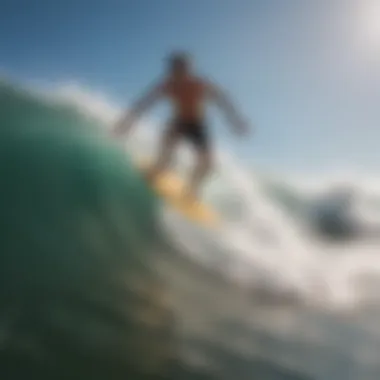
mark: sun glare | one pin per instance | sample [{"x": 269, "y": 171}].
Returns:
[{"x": 369, "y": 24}]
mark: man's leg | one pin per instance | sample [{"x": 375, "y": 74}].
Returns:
[
  {"x": 165, "y": 153},
  {"x": 201, "y": 169}
]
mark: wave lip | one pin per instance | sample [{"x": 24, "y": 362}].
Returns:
[{"x": 272, "y": 234}]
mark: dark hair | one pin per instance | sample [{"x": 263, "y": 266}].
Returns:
[{"x": 178, "y": 58}]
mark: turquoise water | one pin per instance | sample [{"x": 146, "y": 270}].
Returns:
[
  {"x": 78, "y": 231},
  {"x": 92, "y": 288}
]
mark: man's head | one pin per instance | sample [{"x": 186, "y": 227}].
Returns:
[{"x": 179, "y": 63}]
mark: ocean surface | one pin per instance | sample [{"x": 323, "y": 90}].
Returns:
[{"x": 286, "y": 288}]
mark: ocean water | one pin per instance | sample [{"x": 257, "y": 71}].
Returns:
[{"x": 286, "y": 288}]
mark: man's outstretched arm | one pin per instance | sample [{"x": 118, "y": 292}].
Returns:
[
  {"x": 224, "y": 102},
  {"x": 124, "y": 125}
]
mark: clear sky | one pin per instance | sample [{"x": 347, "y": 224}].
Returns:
[{"x": 306, "y": 73}]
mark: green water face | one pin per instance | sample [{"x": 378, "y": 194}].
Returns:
[{"x": 77, "y": 232}]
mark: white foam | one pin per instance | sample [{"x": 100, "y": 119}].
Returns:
[
  {"x": 261, "y": 233},
  {"x": 90, "y": 102}
]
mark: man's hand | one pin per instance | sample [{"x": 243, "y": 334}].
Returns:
[
  {"x": 125, "y": 124},
  {"x": 117, "y": 130},
  {"x": 241, "y": 127},
  {"x": 122, "y": 127}
]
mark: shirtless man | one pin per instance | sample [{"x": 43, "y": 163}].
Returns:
[{"x": 188, "y": 94}]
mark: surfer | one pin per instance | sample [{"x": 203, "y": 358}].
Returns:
[{"x": 188, "y": 94}]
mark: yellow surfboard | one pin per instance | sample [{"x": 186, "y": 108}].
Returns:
[{"x": 171, "y": 188}]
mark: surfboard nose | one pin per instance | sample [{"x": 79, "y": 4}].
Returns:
[{"x": 171, "y": 188}]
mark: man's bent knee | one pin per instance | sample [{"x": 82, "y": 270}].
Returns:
[{"x": 205, "y": 161}]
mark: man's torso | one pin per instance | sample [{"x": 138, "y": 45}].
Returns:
[{"x": 187, "y": 97}]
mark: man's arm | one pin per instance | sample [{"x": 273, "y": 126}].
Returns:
[
  {"x": 223, "y": 102},
  {"x": 145, "y": 102}
]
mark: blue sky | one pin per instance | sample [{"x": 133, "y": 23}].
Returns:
[{"x": 304, "y": 72}]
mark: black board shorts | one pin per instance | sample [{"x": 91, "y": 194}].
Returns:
[{"x": 193, "y": 131}]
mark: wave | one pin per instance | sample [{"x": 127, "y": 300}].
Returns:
[
  {"x": 93, "y": 200},
  {"x": 77, "y": 223},
  {"x": 275, "y": 224}
]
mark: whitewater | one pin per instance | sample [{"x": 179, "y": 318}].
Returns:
[
  {"x": 265, "y": 242},
  {"x": 271, "y": 282}
]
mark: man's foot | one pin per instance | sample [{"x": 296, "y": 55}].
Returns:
[
  {"x": 150, "y": 175},
  {"x": 147, "y": 177},
  {"x": 189, "y": 196}
]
